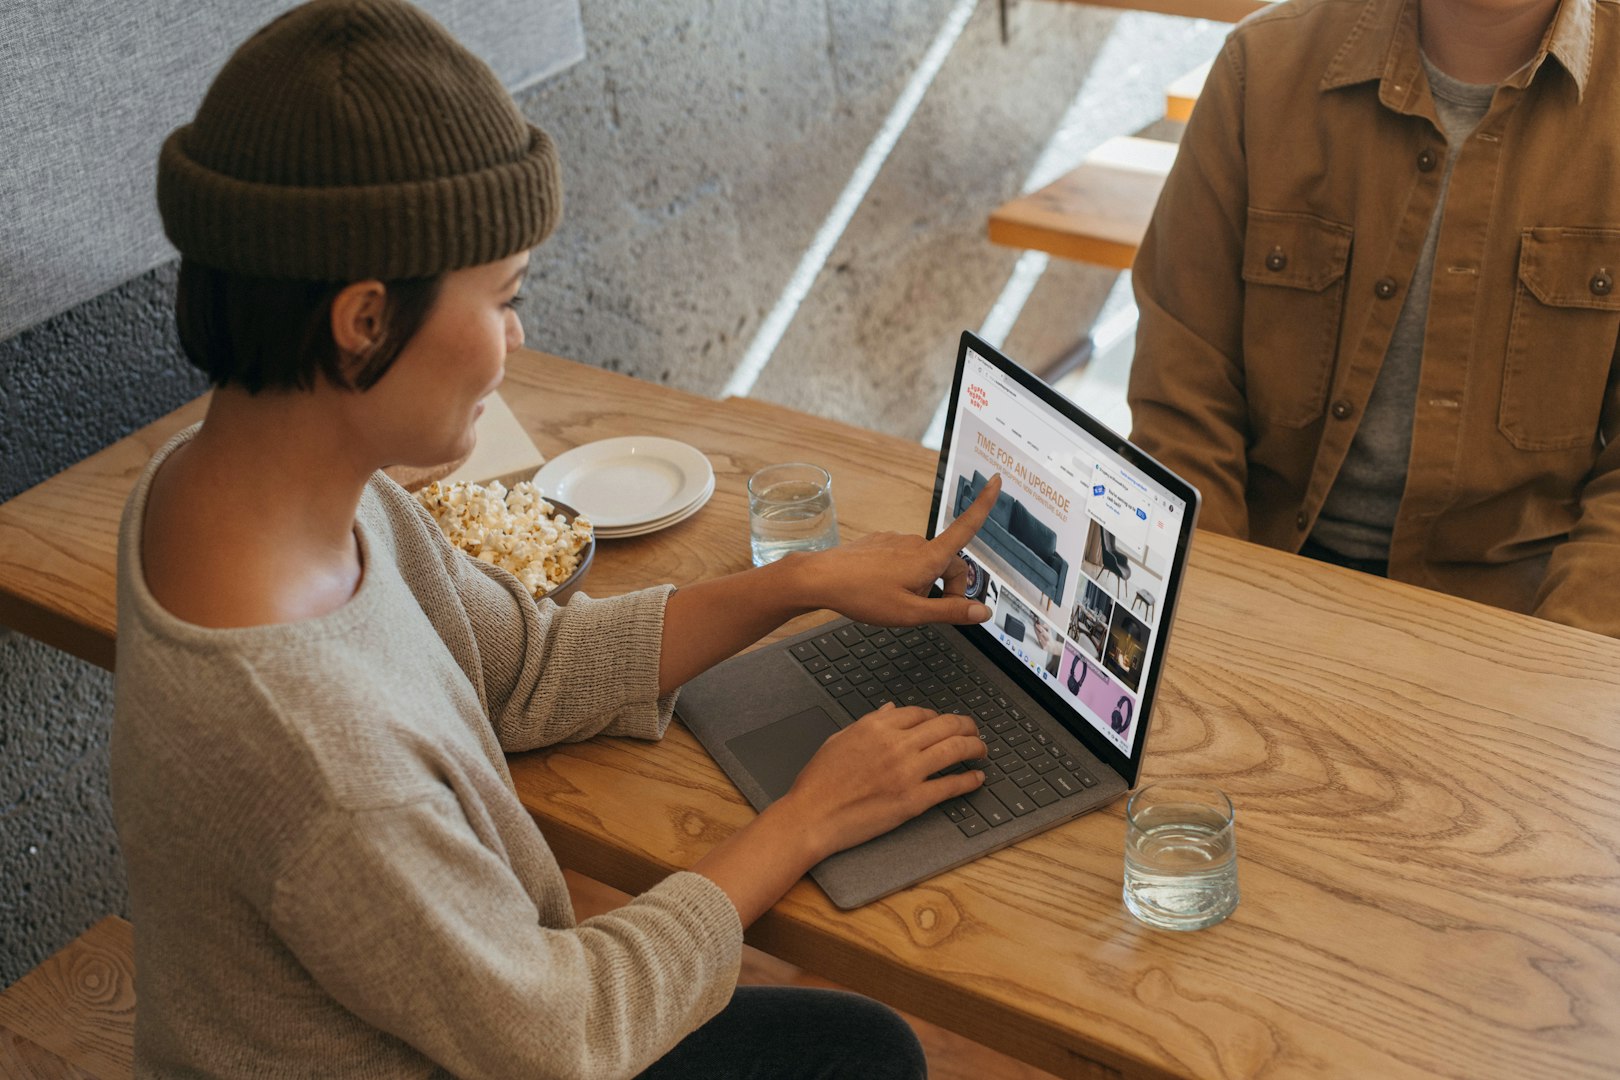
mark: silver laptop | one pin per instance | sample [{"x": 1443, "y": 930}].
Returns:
[{"x": 1080, "y": 563}]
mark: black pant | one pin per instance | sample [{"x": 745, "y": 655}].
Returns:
[
  {"x": 1321, "y": 553},
  {"x": 791, "y": 1033}
]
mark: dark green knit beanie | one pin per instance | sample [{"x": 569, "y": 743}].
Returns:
[{"x": 354, "y": 139}]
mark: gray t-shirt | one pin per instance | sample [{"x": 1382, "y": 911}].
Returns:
[{"x": 1358, "y": 517}]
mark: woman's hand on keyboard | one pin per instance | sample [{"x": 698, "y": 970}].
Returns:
[
  {"x": 881, "y": 772},
  {"x": 875, "y": 774}
]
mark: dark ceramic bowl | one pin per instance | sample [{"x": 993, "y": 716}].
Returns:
[{"x": 562, "y": 592}]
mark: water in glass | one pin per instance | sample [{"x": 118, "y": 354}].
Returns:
[
  {"x": 1180, "y": 866},
  {"x": 789, "y": 516}
]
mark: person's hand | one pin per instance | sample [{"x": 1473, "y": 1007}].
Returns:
[
  {"x": 874, "y": 775},
  {"x": 884, "y": 578}
]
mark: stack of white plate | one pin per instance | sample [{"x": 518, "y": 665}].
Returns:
[{"x": 630, "y": 486}]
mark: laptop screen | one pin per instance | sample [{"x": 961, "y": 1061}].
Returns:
[{"x": 1079, "y": 561}]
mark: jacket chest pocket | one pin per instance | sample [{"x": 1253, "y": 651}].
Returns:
[
  {"x": 1293, "y": 301},
  {"x": 1561, "y": 344}
]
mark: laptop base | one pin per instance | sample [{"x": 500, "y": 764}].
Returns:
[{"x": 757, "y": 715}]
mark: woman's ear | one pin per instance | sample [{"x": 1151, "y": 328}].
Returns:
[{"x": 357, "y": 318}]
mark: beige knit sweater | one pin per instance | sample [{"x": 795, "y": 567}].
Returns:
[{"x": 330, "y": 872}]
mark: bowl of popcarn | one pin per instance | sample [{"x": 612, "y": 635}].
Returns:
[{"x": 545, "y": 544}]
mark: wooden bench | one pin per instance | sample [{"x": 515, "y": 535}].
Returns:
[
  {"x": 73, "y": 1017},
  {"x": 1181, "y": 95},
  {"x": 1097, "y": 213},
  {"x": 1214, "y": 10}
]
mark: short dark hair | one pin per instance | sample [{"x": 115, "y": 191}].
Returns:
[{"x": 269, "y": 333}]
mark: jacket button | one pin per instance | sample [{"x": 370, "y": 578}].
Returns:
[
  {"x": 1386, "y": 288},
  {"x": 1602, "y": 283},
  {"x": 1277, "y": 260},
  {"x": 1342, "y": 410},
  {"x": 1426, "y": 161},
  {"x": 1300, "y": 520}
]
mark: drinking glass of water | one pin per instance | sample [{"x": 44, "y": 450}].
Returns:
[
  {"x": 790, "y": 508},
  {"x": 1180, "y": 855}
]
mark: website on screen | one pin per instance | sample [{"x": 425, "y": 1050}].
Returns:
[{"x": 1073, "y": 558}]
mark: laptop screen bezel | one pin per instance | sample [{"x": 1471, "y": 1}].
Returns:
[{"x": 1127, "y": 766}]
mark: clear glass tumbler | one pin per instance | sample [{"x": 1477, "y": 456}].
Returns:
[
  {"x": 1180, "y": 855},
  {"x": 790, "y": 508}
]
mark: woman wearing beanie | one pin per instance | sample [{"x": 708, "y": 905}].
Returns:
[{"x": 331, "y": 874}]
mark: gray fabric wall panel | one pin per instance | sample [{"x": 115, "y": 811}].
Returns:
[{"x": 89, "y": 89}]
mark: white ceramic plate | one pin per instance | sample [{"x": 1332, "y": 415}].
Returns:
[
  {"x": 662, "y": 523},
  {"x": 643, "y": 528},
  {"x": 627, "y": 482}
]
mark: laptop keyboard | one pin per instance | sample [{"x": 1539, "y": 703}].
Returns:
[{"x": 862, "y": 667}]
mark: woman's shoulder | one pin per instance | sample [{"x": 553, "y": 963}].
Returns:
[{"x": 206, "y": 560}]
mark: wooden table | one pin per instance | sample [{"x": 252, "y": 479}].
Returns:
[
  {"x": 1216, "y": 10},
  {"x": 1427, "y": 791},
  {"x": 73, "y": 1016}
]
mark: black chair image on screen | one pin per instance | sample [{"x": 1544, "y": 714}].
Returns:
[
  {"x": 1115, "y": 563},
  {"x": 1020, "y": 538}
]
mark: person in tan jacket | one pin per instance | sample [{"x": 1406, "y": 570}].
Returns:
[{"x": 1379, "y": 320}]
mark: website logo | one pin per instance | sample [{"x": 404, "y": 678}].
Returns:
[{"x": 978, "y": 397}]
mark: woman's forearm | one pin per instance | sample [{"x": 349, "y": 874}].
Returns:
[
  {"x": 760, "y": 862},
  {"x": 712, "y": 620}
]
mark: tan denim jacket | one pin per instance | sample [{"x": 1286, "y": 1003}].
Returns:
[{"x": 1278, "y": 258}]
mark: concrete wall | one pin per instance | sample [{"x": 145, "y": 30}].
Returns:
[
  {"x": 703, "y": 145},
  {"x": 75, "y": 208}
]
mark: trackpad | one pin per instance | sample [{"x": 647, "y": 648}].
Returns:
[{"x": 774, "y": 754}]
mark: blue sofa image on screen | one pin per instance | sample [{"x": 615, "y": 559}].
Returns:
[{"x": 1019, "y": 538}]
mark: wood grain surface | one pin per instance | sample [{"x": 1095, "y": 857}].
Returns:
[
  {"x": 1428, "y": 799},
  {"x": 23, "y": 1059},
  {"x": 1181, "y": 95},
  {"x": 1098, "y": 212},
  {"x": 74, "y": 1015},
  {"x": 1215, "y": 10},
  {"x": 59, "y": 544},
  {"x": 1427, "y": 793}
]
